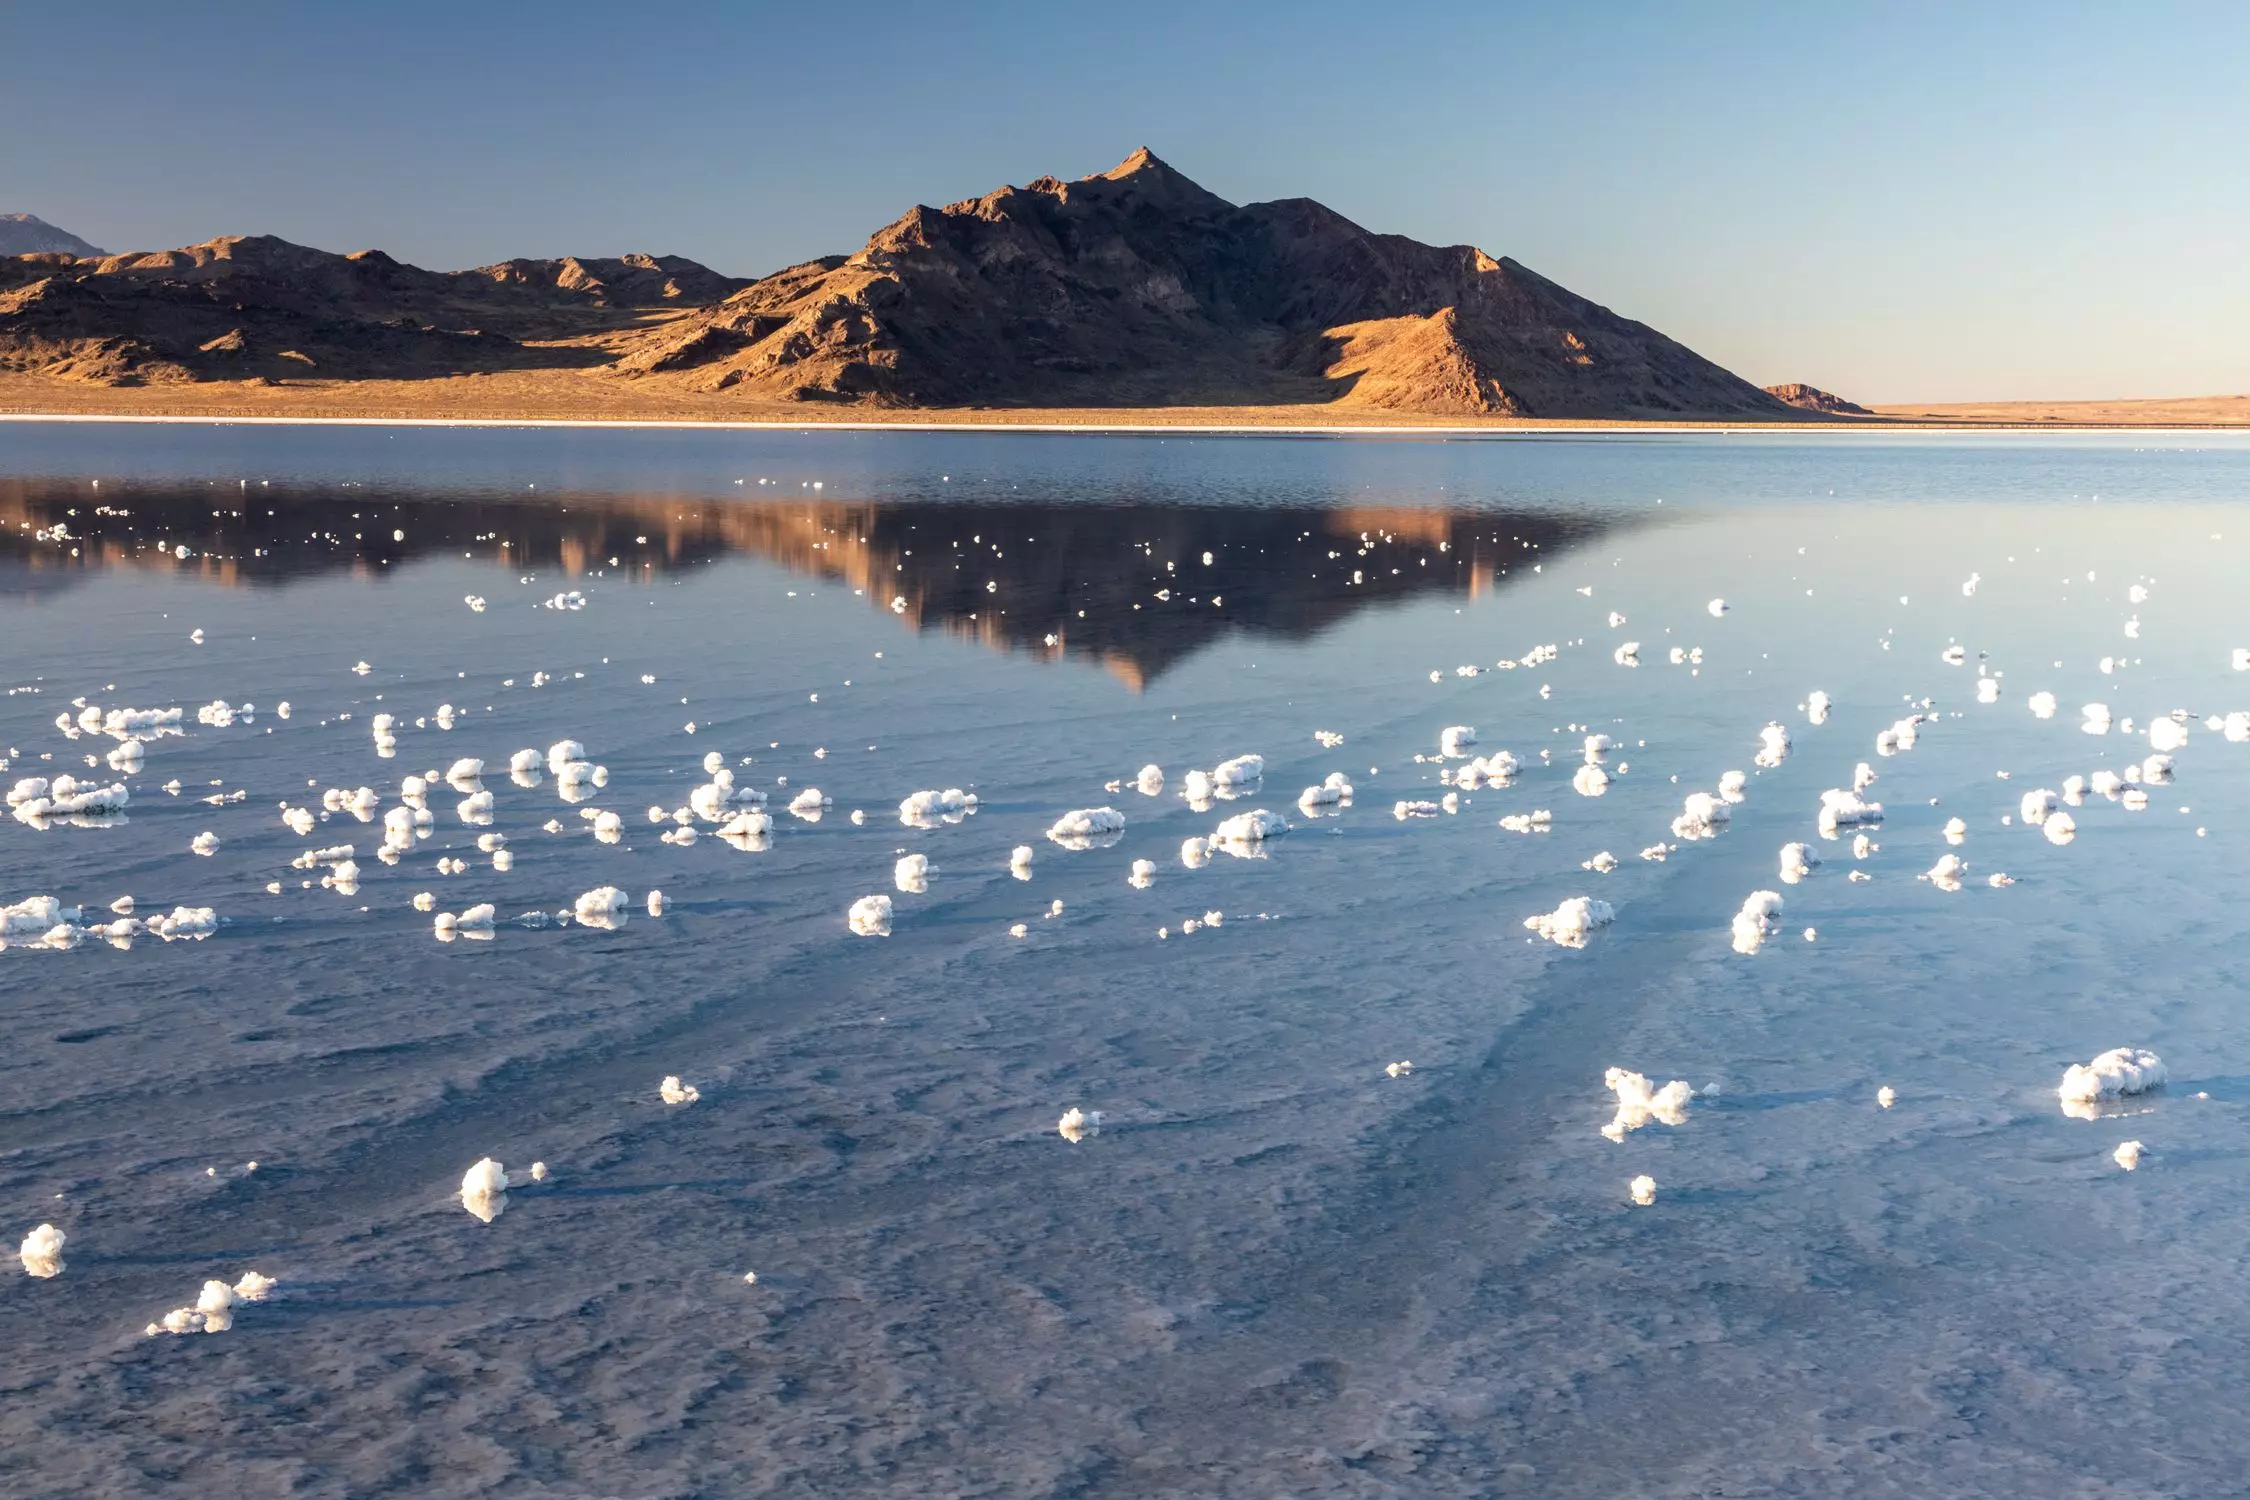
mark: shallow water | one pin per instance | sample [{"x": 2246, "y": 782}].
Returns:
[{"x": 1275, "y": 1269}]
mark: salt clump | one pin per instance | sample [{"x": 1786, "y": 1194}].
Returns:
[
  {"x": 808, "y": 804},
  {"x": 936, "y": 809},
  {"x": 1195, "y": 853},
  {"x": 2061, "y": 828},
  {"x": 42, "y": 1252},
  {"x": 1643, "y": 1190},
  {"x": 1639, "y": 1102},
  {"x": 1759, "y": 919},
  {"x": 2116, "y": 1073},
  {"x": 1143, "y": 874},
  {"x": 2042, "y": 705},
  {"x": 1842, "y": 809},
  {"x": 1150, "y": 781},
  {"x": 1335, "y": 791},
  {"x": 912, "y": 874},
  {"x": 1797, "y": 862},
  {"x": 602, "y": 907},
  {"x": 1886, "y": 1096},
  {"x": 1816, "y": 706},
  {"x": 672, "y": 1091},
  {"x": 1454, "y": 740},
  {"x": 1088, "y": 827},
  {"x": 484, "y": 1189},
  {"x": 1248, "y": 829},
  {"x": 1702, "y": 817},
  {"x": 1947, "y": 872},
  {"x": 1019, "y": 861},
  {"x": 1572, "y": 923},
  {"x": 2128, "y": 1155},
  {"x": 870, "y": 916},
  {"x": 1077, "y": 1124},
  {"x": 1773, "y": 745}
]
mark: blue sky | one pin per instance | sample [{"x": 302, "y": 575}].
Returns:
[{"x": 1899, "y": 203}]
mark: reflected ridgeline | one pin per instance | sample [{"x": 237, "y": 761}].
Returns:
[{"x": 1136, "y": 588}]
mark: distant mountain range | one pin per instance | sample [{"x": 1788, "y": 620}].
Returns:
[
  {"x": 1132, "y": 288},
  {"x": 28, "y": 234}
]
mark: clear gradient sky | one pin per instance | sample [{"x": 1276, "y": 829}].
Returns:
[{"x": 1898, "y": 203}]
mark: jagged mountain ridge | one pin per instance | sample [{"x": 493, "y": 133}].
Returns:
[
  {"x": 1138, "y": 287},
  {"x": 28, "y": 234}
]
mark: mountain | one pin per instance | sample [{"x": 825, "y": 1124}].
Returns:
[
  {"x": 1813, "y": 398},
  {"x": 244, "y": 307},
  {"x": 28, "y": 234},
  {"x": 1138, "y": 287}
]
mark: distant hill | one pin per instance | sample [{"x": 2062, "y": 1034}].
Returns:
[
  {"x": 28, "y": 234},
  {"x": 257, "y": 307},
  {"x": 1138, "y": 288},
  {"x": 1813, "y": 398}
]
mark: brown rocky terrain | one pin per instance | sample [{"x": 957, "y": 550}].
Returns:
[
  {"x": 1813, "y": 398},
  {"x": 1138, "y": 288},
  {"x": 257, "y": 308}
]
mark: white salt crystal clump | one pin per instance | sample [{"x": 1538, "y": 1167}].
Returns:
[
  {"x": 2113, "y": 1075},
  {"x": 809, "y": 804},
  {"x": 1539, "y": 821},
  {"x": 1596, "y": 746},
  {"x": 2096, "y": 717},
  {"x": 1399, "y": 1069},
  {"x": 1589, "y": 781},
  {"x": 2061, "y": 828},
  {"x": 1639, "y": 1102},
  {"x": 912, "y": 874},
  {"x": 1143, "y": 874},
  {"x": 935, "y": 809},
  {"x": 1195, "y": 853},
  {"x": 1328, "y": 738},
  {"x": 672, "y": 1091},
  {"x": 2240, "y": 659},
  {"x": 1573, "y": 922},
  {"x": 1798, "y": 861},
  {"x": 1988, "y": 690},
  {"x": 467, "y": 769},
  {"x": 2128, "y": 1155},
  {"x": 1414, "y": 809},
  {"x": 1817, "y": 704},
  {"x": 564, "y": 753},
  {"x": 1643, "y": 1190},
  {"x": 2167, "y": 733},
  {"x": 1947, "y": 872},
  {"x": 185, "y": 922},
  {"x": 1702, "y": 816},
  {"x": 1335, "y": 791},
  {"x": 1601, "y": 864},
  {"x": 1077, "y": 1124},
  {"x": 1150, "y": 781},
  {"x": 484, "y": 1189},
  {"x": 1248, "y": 828},
  {"x": 602, "y": 907},
  {"x": 1019, "y": 861},
  {"x": 476, "y": 810},
  {"x": 1492, "y": 770},
  {"x": 1886, "y": 1096},
  {"x": 2036, "y": 804},
  {"x": 1955, "y": 830},
  {"x": 83, "y": 802},
  {"x": 1088, "y": 827},
  {"x": 870, "y": 916},
  {"x": 2157, "y": 770},
  {"x": 42, "y": 1252},
  {"x": 253, "y": 1287},
  {"x": 205, "y": 843},
  {"x": 1773, "y": 745},
  {"x": 1242, "y": 772},
  {"x": 1455, "y": 739},
  {"x": 1759, "y": 919},
  {"x": 1733, "y": 786},
  {"x": 2042, "y": 705},
  {"x": 1627, "y": 655},
  {"x": 1843, "y": 809},
  {"x": 717, "y": 800},
  {"x": 1717, "y": 607}
]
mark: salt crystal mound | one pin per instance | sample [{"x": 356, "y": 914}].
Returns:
[
  {"x": 1572, "y": 923},
  {"x": 603, "y": 907},
  {"x": 564, "y": 753},
  {"x": 2060, "y": 828},
  {"x": 42, "y": 1252},
  {"x": 1495, "y": 769},
  {"x": 1947, "y": 873},
  {"x": 1845, "y": 809},
  {"x": 719, "y": 799},
  {"x": 476, "y": 810},
  {"x": 870, "y": 916},
  {"x": 465, "y": 772},
  {"x": 936, "y": 809},
  {"x": 2157, "y": 770},
  {"x": 1639, "y": 1103},
  {"x": 1900, "y": 737},
  {"x": 672, "y": 1091},
  {"x": 1019, "y": 861},
  {"x": 1088, "y": 828},
  {"x": 1988, "y": 690},
  {"x": 1414, "y": 809},
  {"x": 1596, "y": 746},
  {"x": 1716, "y": 607},
  {"x": 1734, "y": 786},
  {"x": 134, "y": 723},
  {"x": 35, "y": 801},
  {"x": 1453, "y": 741},
  {"x": 1773, "y": 746},
  {"x": 747, "y": 831},
  {"x": 1142, "y": 875},
  {"x": 1195, "y": 853},
  {"x": 1627, "y": 655},
  {"x": 1798, "y": 861},
  {"x": 809, "y": 804},
  {"x": 1539, "y": 821},
  {"x": 2036, "y": 805},
  {"x": 912, "y": 874},
  {"x": 2167, "y": 733},
  {"x": 1150, "y": 781},
  {"x": 1759, "y": 919},
  {"x": 2116, "y": 1074},
  {"x": 1244, "y": 835},
  {"x": 1334, "y": 791},
  {"x": 1817, "y": 705},
  {"x": 1077, "y": 1124},
  {"x": 1589, "y": 781},
  {"x": 1701, "y": 817},
  {"x": 484, "y": 1189},
  {"x": 2042, "y": 705}
]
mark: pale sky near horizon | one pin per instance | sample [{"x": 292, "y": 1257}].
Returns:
[{"x": 1902, "y": 203}]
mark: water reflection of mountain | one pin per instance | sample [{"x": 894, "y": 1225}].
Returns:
[{"x": 1128, "y": 586}]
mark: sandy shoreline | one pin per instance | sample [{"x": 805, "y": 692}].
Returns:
[{"x": 586, "y": 402}]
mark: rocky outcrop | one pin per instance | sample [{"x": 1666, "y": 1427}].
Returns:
[
  {"x": 1813, "y": 398},
  {"x": 28, "y": 234},
  {"x": 1137, "y": 287}
]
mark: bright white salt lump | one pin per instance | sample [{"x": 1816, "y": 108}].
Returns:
[
  {"x": 1571, "y": 923},
  {"x": 672, "y": 1091},
  {"x": 1701, "y": 817},
  {"x": 1639, "y": 1102},
  {"x": 912, "y": 874},
  {"x": 1195, "y": 853},
  {"x": 870, "y": 916},
  {"x": 1081, "y": 828},
  {"x": 1843, "y": 809},
  {"x": 1143, "y": 874},
  {"x": 1643, "y": 1190},
  {"x": 1627, "y": 655},
  {"x": 2240, "y": 659},
  {"x": 484, "y": 1189},
  {"x": 1947, "y": 872},
  {"x": 1601, "y": 864},
  {"x": 479, "y": 918},
  {"x": 1076, "y": 1124},
  {"x": 1597, "y": 746},
  {"x": 42, "y": 1252},
  {"x": 524, "y": 763},
  {"x": 604, "y": 906},
  {"x": 1539, "y": 821},
  {"x": 1332, "y": 792},
  {"x": 1019, "y": 861},
  {"x": 2042, "y": 705},
  {"x": 1250, "y": 828},
  {"x": 467, "y": 768},
  {"x": 1328, "y": 738},
  {"x": 1955, "y": 830},
  {"x": 1797, "y": 862},
  {"x": 1759, "y": 919},
  {"x": 1733, "y": 785},
  {"x": 935, "y": 809},
  {"x": 1886, "y": 1096},
  {"x": 185, "y": 922},
  {"x": 2116, "y": 1073},
  {"x": 564, "y": 753},
  {"x": 1242, "y": 771},
  {"x": 1988, "y": 690},
  {"x": 2128, "y": 1155},
  {"x": 2167, "y": 733},
  {"x": 253, "y": 1287},
  {"x": 1453, "y": 740},
  {"x": 808, "y": 803},
  {"x": 2061, "y": 828},
  {"x": 476, "y": 810},
  {"x": 1773, "y": 745},
  {"x": 2036, "y": 805},
  {"x": 1491, "y": 770},
  {"x": 1414, "y": 809},
  {"x": 1150, "y": 782},
  {"x": 1817, "y": 704},
  {"x": 1589, "y": 781},
  {"x": 1716, "y": 607}
]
